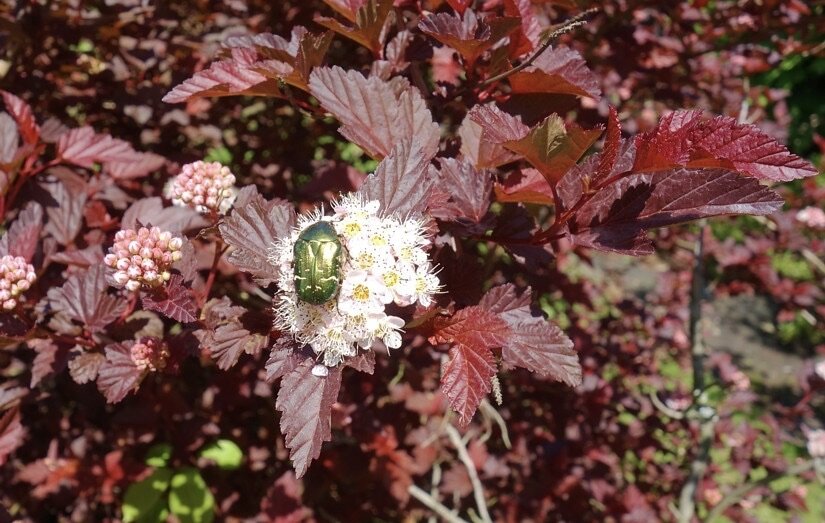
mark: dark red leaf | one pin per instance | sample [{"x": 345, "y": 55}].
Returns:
[
  {"x": 370, "y": 24},
  {"x": 305, "y": 402},
  {"x": 10, "y": 395},
  {"x": 505, "y": 301},
  {"x": 403, "y": 180},
  {"x": 118, "y": 375},
  {"x": 252, "y": 230},
  {"x": 11, "y": 433},
  {"x": 557, "y": 70},
  {"x": 282, "y": 502},
  {"x": 283, "y": 359},
  {"x": 47, "y": 359},
  {"x": 469, "y": 190},
  {"x": 173, "y": 300},
  {"x": 137, "y": 165},
  {"x": 89, "y": 256},
  {"x": 84, "y": 147},
  {"x": 225, "y": 336},
  {"x": 683, "y": 138},
  {"x": 150, "y": 211},
  {"x": 375, "y": 114},
  {"x": 22, "y": 113},
  {"x": 615, "y": 218},
  {"x": 473, "y": 327},
  {"x": 482, "y": 152},
  {"x": 541, "y": 347},
  {"x": 84, "y": 298},
  {"x": 610, "y": 150},
  {"x": 68, "y": 193},
  {"x": 85, "y": 366},
  {"x": 364, "y": 361},
  {"x": 529, "y": 35},
  {"x": 9, "y": 140},
  {"x": 525, "y": 186},
  {"x": 23, "y": 237},
  {"x": 467, "y": 378},
  {"x": 467, "y": 34},
  {"x": 238, "y": 75}
]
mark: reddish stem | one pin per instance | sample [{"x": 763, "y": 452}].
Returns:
[
  {"x": 213, "y": 270},
  {"x": 130, "y": 306}
]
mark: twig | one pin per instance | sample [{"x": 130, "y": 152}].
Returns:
[
  {"x": 565, "y": 27},
  {"x": 432, "y": 504},
  {"x": 488, "y": 410},
  {"x": 663, "y": 408},
  {"x": 464, "y": 456},
  {"x": 435, "y": 479},
  {"x": 739, "y": 492}
]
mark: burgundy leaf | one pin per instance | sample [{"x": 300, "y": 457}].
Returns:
[
  {"x": 229, "y": 341},
  {"x": 9, "y": 140},
  {"x": 22, "y": 113},
  {"x": 480, "y": 151},
  {"x": 85, "y": 366},
  {"x": 10, "y": 395},
  {"x": 469, "y": 190},
  {"x": 610, "y": 151},
  {"x": 233, "y": 76},
  {"x": 616, "y": 216},
  {"x": 370, "y": 24},
  {"x": 541, "y": 347},
  {"x": 84, "y": 147},
  {"x": 84, "y": 298},
  {"x": 118, "y": 375},
  {"x": 364, "y": 361},
  {"x": 52, "y": 129},
  {"x": 87, "y": 257},
  {"x": 252, "y": 230},
  {"x": 467, "y": 378},
  {"x": 46, "y": 360},
  {"x": 23, "y": 237},
  {"x": 173, "y": 300},
  {"x": 498, "y": 127},
  {"x": 137, "y": 165},
  {"x": 403, "y": 180},
  {"x": 525, "y": 186},
  {"x": 305, "y": 402},
  {"x": 375, "y": 114},
  {"x": 505, "y": 301},
  {"x": 472, "y": 327},
  {"x": 150, "y": 211},
  {"x": 66, "y": 217},
  {"x": 11, "y": 433},
  {"x": 557, "y": 70},
  {"x": 683, "y": 138},
  {"x": 283, "y": 359},
  {"x": 467, "y": 34},
  {"x": 529, "y": 35}
]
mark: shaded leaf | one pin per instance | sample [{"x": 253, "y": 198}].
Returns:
[
  {"x": 369, "y": 24},
  {"x": 85, "y": 366},
  {"x": 467, "y": 378},
  {"x": 403, "y": 180},
  {"x": 10, "y": 395},
  {"x": 283, "y": 359},
  {"x": 46, "y": 359},
  {"x": 507, "y": 303},
  {"x": 467, "y": 34},
  {"x": 375, "y": 114},
  {"x": 11, "y": 433},
  {"x": 173, "y": 300},
  {"x": 91, "y": 255},
  {"x": 22, "y": 113},
  {"x": 84, "y": 298},
  {"x": 528, "y": 36},
  {"x": 225, "y": 336},
  {"x": 469, "y": 190},
  {"x": 305, "y": 402},
  {"x": 473, "y": 327},
  {"x": 118, "y": 375},
  {"x": 364, "y": 361},
  {"x": 23, "y": 237},
  {"x": 557, "y": 70},
  {"x": 615, "y": 218},
  {"x": 252, "y": 230},
  {"x": 541, "y": 347},
  {"x": 610, "y": 150},
  {"x": 84, "y": 147},
  {"x": 482, "y": 152},
  {"x": 9, "y": 139},
  {"x": 137, "y": 165},
  {"x": 525, "y": 186},
  {"x": 150, "y": 211},
  {"x": 66, "y": 217}
]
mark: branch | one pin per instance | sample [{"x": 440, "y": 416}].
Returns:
[
  {"x": 432, "y": 504},
  {"x": 478, "y": 490},
  {"x": 735, "y": 495},
  {"x": 565, "y": 27}
]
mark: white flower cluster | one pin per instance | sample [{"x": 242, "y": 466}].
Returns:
[
  {"x": 16, "y": 276},
  {"x": 143, "y": 257},
  {"x": 203, "y": 186},
  {"x": 385, "y": 262}
]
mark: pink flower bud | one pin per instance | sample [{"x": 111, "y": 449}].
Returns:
[
  {"x": 132, "y": 285},
  {"x": 122, "y": 264},
  {"x": 134, "y": 247},
  {"x": 120, "y": 277},
  {"x": 9, "y": 304},
  {"x": 110, "y": 260}
]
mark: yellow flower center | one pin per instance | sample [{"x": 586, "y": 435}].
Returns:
[
  {"x": 352, "y": 228},
  {"x": 365, "y": 260},
  {"x": 361, "y": 292},
  {"x": 378, "y": 240},
  {"x": 391, "y": 279}
]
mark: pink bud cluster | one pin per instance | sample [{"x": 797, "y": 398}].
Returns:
[
  {"x": 143, "y": 257},
  {"x": 16, "y": 276},
  {"x": 149, "y": 354},
  {"x": 813, "y": 217},
  {"x": 203, "y": 186}
]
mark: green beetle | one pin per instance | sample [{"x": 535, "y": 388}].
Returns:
[{"x": 318, "y": 259}]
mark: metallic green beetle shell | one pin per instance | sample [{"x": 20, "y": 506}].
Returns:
[{"x": 318, "y": 259}]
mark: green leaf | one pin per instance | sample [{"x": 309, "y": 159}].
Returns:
[
  {"x": 225, "y": 453},
  {"x": 190, "y": 499},
  {"x": 158, "y": 455},
  {"x": 143, "y": 501}
]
